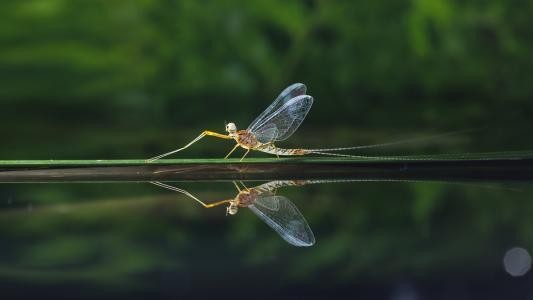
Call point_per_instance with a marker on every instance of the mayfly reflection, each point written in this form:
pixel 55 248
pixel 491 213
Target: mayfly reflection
pixel 276 211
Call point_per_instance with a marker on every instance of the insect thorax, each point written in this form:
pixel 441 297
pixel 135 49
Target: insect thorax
pixel 247 139
pixel 246 198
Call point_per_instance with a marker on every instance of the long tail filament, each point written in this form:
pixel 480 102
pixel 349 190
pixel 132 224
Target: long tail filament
pixel 413 140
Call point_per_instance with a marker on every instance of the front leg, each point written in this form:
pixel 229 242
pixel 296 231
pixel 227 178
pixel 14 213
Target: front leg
pixel 206 132
pixel 173 188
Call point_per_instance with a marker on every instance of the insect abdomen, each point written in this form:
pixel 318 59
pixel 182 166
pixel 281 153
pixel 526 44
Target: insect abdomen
pixel 280 151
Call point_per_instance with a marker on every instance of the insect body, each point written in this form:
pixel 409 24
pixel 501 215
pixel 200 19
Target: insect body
pixel 247 140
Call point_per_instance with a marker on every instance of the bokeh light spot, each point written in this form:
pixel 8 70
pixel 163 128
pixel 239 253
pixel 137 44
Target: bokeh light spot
pixel 517 261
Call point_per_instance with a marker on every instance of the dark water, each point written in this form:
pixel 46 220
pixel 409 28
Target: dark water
pixel 374 240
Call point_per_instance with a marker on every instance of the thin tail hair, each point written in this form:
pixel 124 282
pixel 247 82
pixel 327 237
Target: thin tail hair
pixel 413 140
pixel 353 156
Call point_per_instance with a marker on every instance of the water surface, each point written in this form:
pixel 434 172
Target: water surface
pixel 378 239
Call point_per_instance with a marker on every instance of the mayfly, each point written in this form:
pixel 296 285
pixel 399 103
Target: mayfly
pixel 276 211
pixel 277 123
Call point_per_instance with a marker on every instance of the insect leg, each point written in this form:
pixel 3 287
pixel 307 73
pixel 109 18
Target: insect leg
pixel 206 132
pixel 173 188
pixel 237 186
pixel 242 183
pixel 234 148
pixel 247 150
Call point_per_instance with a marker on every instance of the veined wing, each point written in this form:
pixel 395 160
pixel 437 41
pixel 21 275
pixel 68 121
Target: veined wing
pixel 287 94
pixel 268 200
pixel 267 133
pixel 282 123
pixel 286 220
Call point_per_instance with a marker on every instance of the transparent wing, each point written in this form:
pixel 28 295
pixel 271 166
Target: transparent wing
pixel 287 220
pixel 270 202
pixel 287 94
pixel 267 133
pixel 285 120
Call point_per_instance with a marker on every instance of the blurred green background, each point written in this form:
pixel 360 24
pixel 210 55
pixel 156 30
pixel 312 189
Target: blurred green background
pixel 121 79
pixel 132 79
